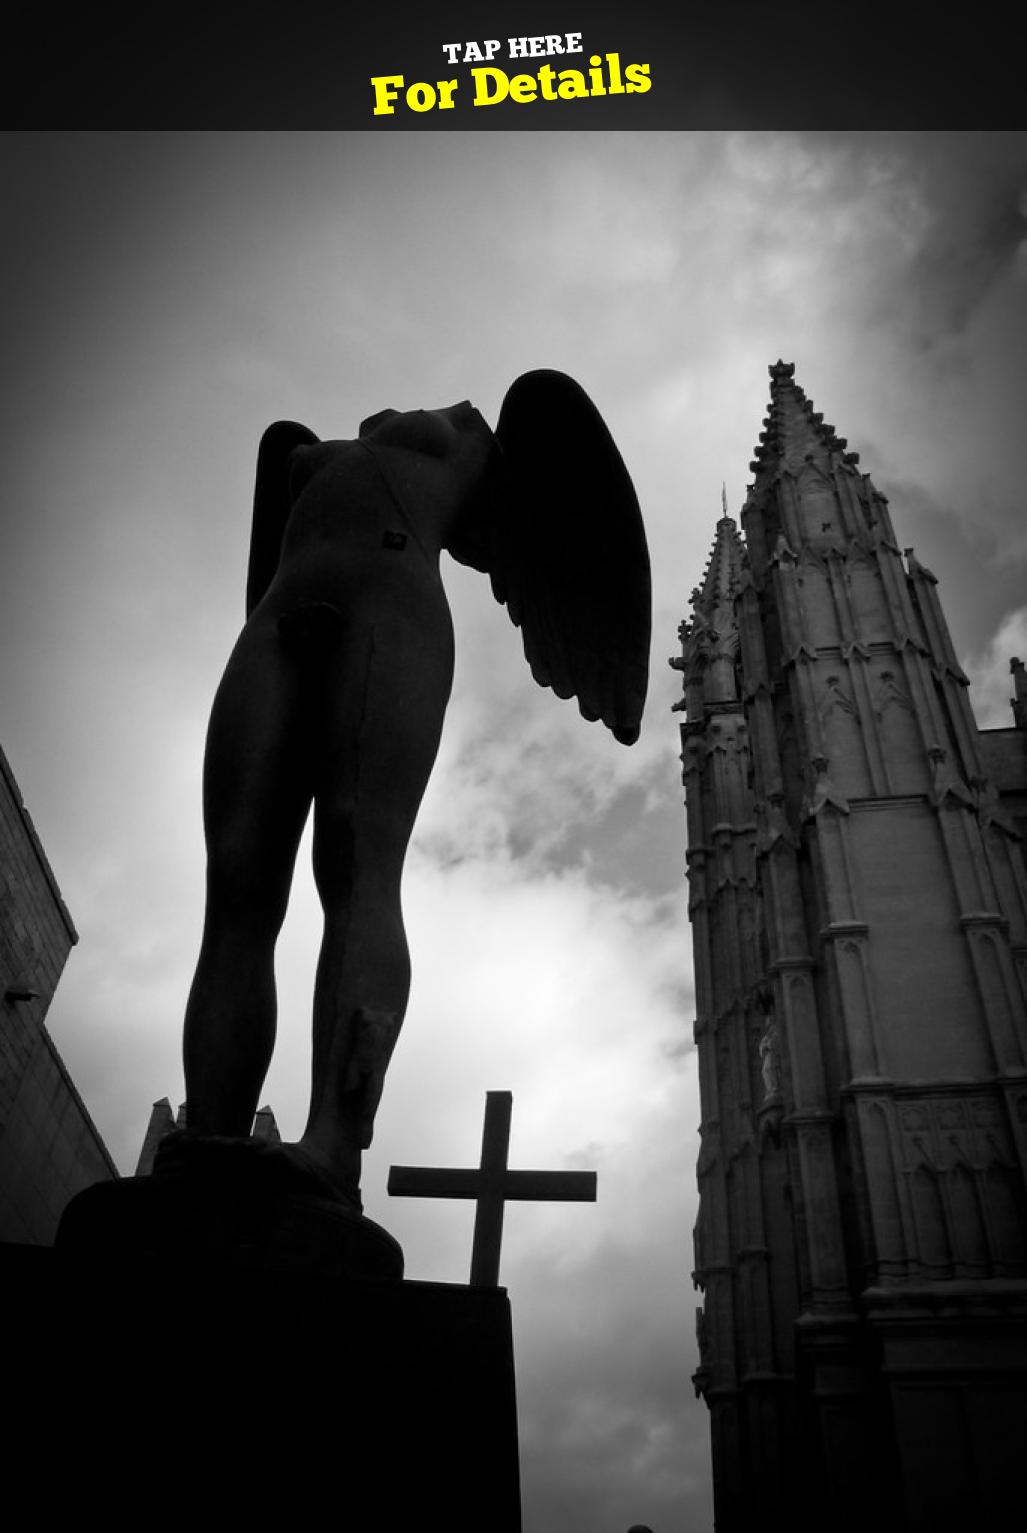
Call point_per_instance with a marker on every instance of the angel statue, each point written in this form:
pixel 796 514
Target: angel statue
pixel 335 693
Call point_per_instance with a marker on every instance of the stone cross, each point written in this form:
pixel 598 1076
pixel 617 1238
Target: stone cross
pixel 492 1186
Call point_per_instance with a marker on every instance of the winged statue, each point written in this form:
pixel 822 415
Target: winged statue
pixel 334 698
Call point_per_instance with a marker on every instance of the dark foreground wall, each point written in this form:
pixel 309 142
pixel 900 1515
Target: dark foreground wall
pixel 232 1395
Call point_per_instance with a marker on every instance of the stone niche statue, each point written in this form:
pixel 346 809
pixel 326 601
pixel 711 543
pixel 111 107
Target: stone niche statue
pixel 334 697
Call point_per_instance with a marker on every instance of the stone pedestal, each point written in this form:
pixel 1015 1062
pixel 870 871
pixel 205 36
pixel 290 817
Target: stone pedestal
pixel 229 1396
pixel 249 1222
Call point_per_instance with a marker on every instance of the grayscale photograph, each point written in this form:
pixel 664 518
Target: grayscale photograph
pixel 513 716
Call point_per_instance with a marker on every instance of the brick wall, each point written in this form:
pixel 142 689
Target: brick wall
pixel 49 1145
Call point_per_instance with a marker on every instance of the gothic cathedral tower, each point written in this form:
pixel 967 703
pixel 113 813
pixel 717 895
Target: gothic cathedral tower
pixel 859 907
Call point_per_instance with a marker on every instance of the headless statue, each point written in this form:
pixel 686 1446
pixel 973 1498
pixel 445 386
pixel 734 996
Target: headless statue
pixel 334 698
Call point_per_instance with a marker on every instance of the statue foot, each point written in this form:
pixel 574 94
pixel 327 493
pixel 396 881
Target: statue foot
pixel 339 1171
pixel 325 1174
pixel 220 1159
pixel 234 1202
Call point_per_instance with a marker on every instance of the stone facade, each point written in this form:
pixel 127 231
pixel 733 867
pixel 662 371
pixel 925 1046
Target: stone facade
pixel 859 908
pixel 49 1146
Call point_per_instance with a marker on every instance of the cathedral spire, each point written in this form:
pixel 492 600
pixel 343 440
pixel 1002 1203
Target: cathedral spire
pixel 709 643
pixel 859 916
pixel 723 568
pixel 808 493
pixel 793 430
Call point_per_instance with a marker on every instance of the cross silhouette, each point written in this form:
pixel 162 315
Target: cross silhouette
pixel 492 1186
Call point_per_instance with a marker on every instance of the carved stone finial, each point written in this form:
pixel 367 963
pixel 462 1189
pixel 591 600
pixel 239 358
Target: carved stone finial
pixel 823 791
pixel 945 779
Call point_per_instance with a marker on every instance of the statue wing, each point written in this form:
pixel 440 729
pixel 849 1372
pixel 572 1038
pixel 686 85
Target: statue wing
pixel 567 552
pixel 271 503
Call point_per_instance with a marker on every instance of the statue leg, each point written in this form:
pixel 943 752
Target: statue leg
pixel 374 774
pixel 256 795
pixel 360 997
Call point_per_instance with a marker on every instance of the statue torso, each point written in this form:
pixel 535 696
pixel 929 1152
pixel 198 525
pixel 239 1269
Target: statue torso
pixel 350 538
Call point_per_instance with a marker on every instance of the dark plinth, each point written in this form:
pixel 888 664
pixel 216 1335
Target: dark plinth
pixel 232 1397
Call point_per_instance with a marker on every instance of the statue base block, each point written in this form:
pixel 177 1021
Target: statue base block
pixel 239 1222
pixel 232 1396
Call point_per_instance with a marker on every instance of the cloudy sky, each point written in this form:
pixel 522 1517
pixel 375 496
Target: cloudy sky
pixel 165 296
